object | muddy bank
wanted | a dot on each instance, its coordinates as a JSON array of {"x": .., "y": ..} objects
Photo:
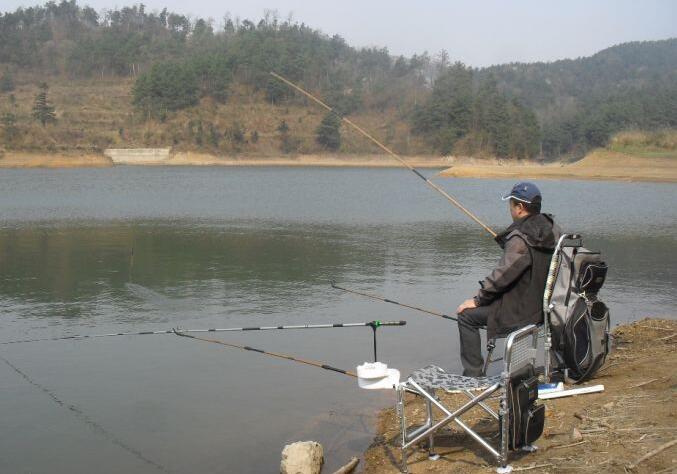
[
  {"x": 635, "y": 415},
  {"x": 600, "y": 164}
]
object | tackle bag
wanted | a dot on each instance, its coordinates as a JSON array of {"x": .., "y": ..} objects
[
  {"x": 527, "y": 418},
  {"x": 579, "y": 321}
]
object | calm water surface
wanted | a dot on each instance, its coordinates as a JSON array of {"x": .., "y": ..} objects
[{"x": 126, "y": 249}]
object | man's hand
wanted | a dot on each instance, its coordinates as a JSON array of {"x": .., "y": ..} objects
[{"x": 467, "y": 304}]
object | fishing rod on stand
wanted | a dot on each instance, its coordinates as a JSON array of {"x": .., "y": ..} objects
[{"x": 374, "y": 325}]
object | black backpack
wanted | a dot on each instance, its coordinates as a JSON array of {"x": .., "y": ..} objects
[{"x": 579, "y": 321}]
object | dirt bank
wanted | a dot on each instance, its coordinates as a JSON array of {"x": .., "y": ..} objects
[
  {"x": 600, "y": 164},
  {"x": 635, "y": 415},
  {"x": 35, "y": 160},
  {"x": 332, "y": 161},
  {"x": 41, "y": 160}
]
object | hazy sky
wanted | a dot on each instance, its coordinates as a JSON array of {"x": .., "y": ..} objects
[{"x": 478, "y": 33}]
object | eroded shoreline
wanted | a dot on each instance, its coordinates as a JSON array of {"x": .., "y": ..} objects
[{"x": 599, "y": 165}]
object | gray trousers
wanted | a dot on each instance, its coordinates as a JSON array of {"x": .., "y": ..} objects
[{"x": 470, "y": 322}]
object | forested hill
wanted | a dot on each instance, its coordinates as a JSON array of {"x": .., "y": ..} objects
[{"x": 179, "y": 77}]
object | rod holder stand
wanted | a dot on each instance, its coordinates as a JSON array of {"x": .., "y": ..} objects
[{"x": 374, "y": 325}]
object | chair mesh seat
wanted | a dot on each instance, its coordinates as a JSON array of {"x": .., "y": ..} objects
[{"x": 435, "y": 377}]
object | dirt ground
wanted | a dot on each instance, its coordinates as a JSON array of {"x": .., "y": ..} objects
[
  {"x": 325, "y": 160},
  {"x": 42, "y": 160},
  {"x": 604, "y": 432},
  {"x": 600, "y": 164}
]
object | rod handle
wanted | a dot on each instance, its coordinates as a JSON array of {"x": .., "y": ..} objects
[{"x": 387, "y": 323}]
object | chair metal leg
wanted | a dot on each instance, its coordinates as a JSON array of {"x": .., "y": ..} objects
[
  {"x": 403, "y": 428},
  {"x": 484, "y": 406},
  {"x": 504, "y": 413},
  {"x": 547, "y": 345},
  {"x": 431, "y": 437},
  {"x": 449, "y": 415}
]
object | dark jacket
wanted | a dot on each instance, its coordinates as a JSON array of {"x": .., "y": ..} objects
[{"x": 514, "y": 290}]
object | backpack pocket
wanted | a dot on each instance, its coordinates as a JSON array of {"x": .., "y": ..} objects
[
  {"x": 533, "y": 423},
  {"x": 592, "y": 277},
  {"x": 586, "y": 335},
  {"x": 523, "y": 395}
]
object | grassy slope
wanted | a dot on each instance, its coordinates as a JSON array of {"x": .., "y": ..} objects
[{"x": 97, "y": 114}]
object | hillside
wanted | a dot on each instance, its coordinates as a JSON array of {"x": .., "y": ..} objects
[
  {"x": 94, "y": 114},
  {"x": 128, "y": 77}
]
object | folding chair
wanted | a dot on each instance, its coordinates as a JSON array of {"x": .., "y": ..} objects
[
  {"x": 520, "y": 352},
  {"x": 543, "y": 334}
]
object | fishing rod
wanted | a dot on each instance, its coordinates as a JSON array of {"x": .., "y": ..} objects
[
  {"x": 314, "y": 363},
  {"x": 371, "y": 324},
  {"x": 387, "y": 300},
  {"x": 450, "y": 198}
]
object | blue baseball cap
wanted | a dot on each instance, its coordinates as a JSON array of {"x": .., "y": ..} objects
[{"x": 524, "y": 192}]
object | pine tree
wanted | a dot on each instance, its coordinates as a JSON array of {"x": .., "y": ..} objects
[
  {"x": 43, "y": 111},
  {"x": 328, "y": 134}
]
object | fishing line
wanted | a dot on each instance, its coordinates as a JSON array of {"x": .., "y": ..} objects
[
  {"x": 450, "y": 198},
  {"x": 84, "y": 418}
]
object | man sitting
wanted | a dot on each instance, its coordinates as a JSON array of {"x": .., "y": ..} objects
[{"x": 511, "y": 296}]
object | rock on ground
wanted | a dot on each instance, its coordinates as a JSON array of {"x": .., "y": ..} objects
[{"x": 303, "y": 457}]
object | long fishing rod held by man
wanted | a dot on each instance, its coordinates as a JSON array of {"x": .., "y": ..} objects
[{"x": 366, "y": 134}]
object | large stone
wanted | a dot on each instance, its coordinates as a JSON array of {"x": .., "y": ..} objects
[{"x": 303, "y": 457}]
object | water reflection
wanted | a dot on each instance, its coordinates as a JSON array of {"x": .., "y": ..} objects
[{"x": 141, "y": 269}]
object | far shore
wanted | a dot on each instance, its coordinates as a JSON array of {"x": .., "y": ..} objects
[{"x": 600, "y": 164}]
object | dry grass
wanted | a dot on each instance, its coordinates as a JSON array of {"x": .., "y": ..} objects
[
  {"x": 599, "y": 164},
  {"x": 96, "y": 114},
  {"x": 656, "y": 141}
]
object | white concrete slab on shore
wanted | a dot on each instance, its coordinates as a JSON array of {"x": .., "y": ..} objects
[{"x": 137, "y": 156}]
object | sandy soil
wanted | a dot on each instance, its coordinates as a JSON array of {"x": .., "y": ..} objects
[
  {"x": 336, "y": 161},
  {"x": 40, "y": 160},
  {"x": 604, "y": 432},
  {"x": 600, "y": 164}
]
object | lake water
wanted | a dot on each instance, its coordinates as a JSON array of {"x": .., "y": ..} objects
[{"x": 230, "y": 247}]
